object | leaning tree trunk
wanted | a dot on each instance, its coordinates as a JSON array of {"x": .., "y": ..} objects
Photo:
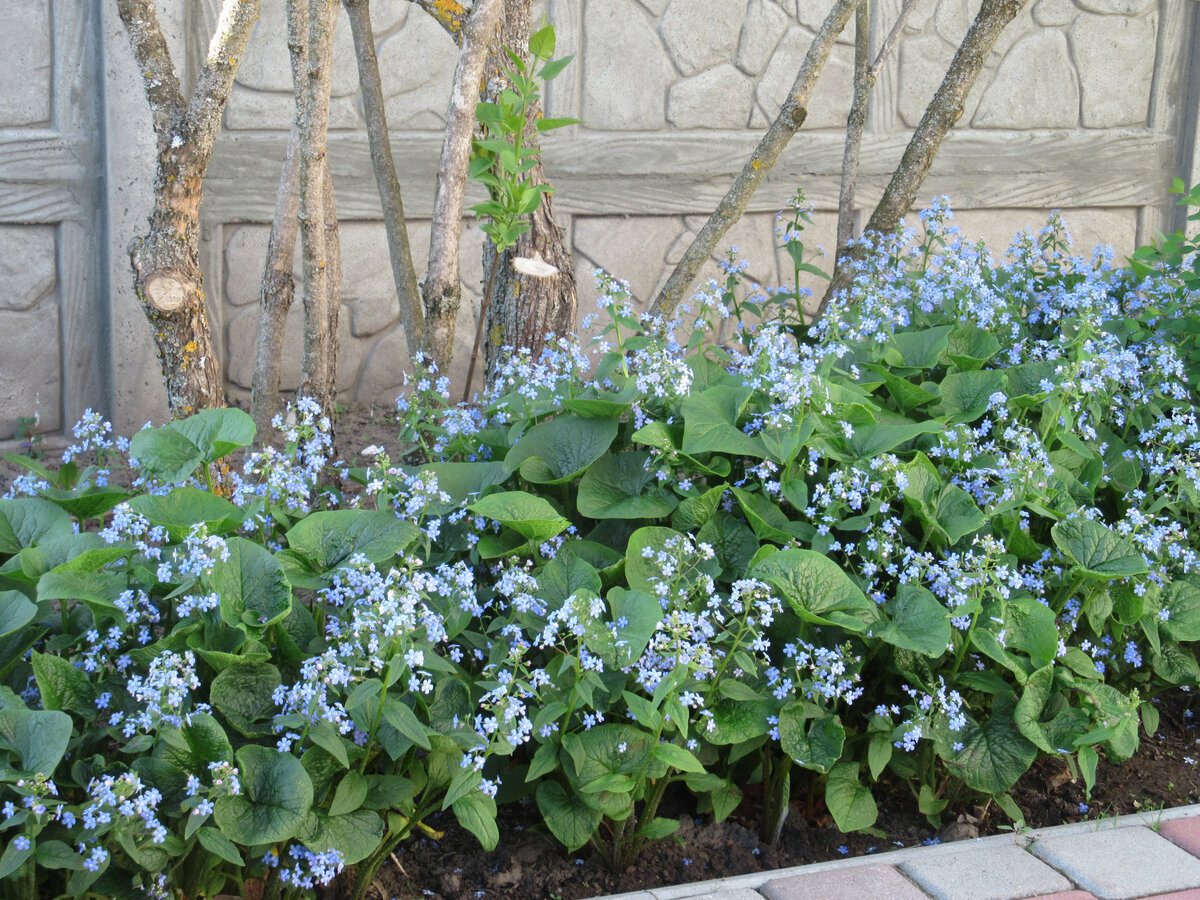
[
  {"x": 166, "y": 261},
  {"x": 522, "y": 309},
  {"x": 943, "y": 111}
]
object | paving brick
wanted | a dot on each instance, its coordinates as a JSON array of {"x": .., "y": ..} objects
[
  {"x": 984, "y": 873},
  {"x": 844, "y": 884},
  {"x": 1184, "y": 833},
  {"x": 1065, "y": 895},
  {"x": 1120, "y": 863},
  {"x": 1193, "y": 894},
  {"x": 704, "y": 890}
]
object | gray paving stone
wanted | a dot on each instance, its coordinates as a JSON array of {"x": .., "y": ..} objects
[
  {"x": 1120, "y": 863},
  {"x": 844, "y": 884},
  {"x": 984, "y": 873}
]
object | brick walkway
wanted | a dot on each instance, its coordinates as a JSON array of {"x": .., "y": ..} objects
[{"x": 1147, "y": 855}]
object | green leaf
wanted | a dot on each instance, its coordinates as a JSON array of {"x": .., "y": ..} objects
[
  {"x": 355, "y": 835},
  {"x": 328, "y": 539},
  {"x": 186, "y": 507},
  {"x": 1096, "y": 550},
  {"x": 530, "y": 516},
  {"x": 995, "y": 754},
  {"x": 216, "y": 843},
  {"x": 768, "y": 520},
  {"x": 16, "y": 611},
  {"x": 641, "y": 613},
  {"x": 640, "y": 569},
  {"x": 244, "y": 693},
  {"x": 58, "y": 855},
  {"x": 476, "y": 812},
  {"x": 817, "y": 589},
  {"x": 915, "y": 621},
  {"x": 63, "y": 686},
  {"x": 569, "y": 819},
  {"x": 614, "y": 487},
  {"x": 26, "y": 521},
  {"x": 678, "y": 758},
  {"x": 967, "y": 395},
  {"x": 693, "y": 512},
  {"x": 918, "y": 349},
  {"x": 946, "y": 510},
  {"x": 552, "y": 69},
  {"x": 904, "y": 392},
  {"x": 405, "y": 721},
  {"x": 849, "y": 800},
  {"x": 710, "y": 423},
  {"x": 1182, "y": 604},
  {"x": 970, "y": 346},
  {"x": 869, "y": 441},
  {"x": 549, "y": 123},
  {"x": 734, "y": 543},
  {"x": 812, "y": 743},
  {"x": 276, "y": 796},
  {"x": 461, "y": 480},
  {"x": 174, "y": 451},
  {"x": 191, "y": 748},
  {"x": 38, "y": 737},
  {"x": 559, "y": 450},
  {"x": 254, "y": 591},
  {"x": 97, "y": 589},
  {"x": 13, "y": 858},
  {"x": 325, "y": 736},
  {"x": 541, "y": 43}
]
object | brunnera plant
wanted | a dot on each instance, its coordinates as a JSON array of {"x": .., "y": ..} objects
[{"x": 939, "y": 534}]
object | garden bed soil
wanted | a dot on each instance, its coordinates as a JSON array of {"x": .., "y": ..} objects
[{"x": 530, "y": 865}]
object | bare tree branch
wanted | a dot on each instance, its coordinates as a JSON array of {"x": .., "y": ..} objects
[
  {"x": 787, "y": 123},
  {"x": 154, "y": 59},
  {"x": 856, "y": 121},
  {"x": 277, "y": 292},
  {"x": 943, "y": 111},
  {"x": 225, "y": 52},
  {"x": 313, "y": 93},
  {"x": 412, "y": 314},
  {"x": 450, "y": 14},
  {"x": 443, "y": 286},
  {"x": 864, "y": 81}
]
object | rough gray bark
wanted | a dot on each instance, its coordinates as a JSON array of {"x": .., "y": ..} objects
[
  {"x": 412, "y": 313},
  {"x": 791, "y": 116},
  {"x": 321, "y": 302},
  {"x": 865, "y": 75},
  {"x": 943, "y": 111},
  {"x": 522, "y": 309},
  {"x": 450, "y": 14},
  {"x": 442, "y": 291},
  {"x": 277, "y": 292},
  {"x": 166, "y": 262}
]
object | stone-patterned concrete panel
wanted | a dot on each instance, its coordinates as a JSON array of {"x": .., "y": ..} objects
[
  {"x": 26, "y": 68},
  {"x": 626, "y": 72},
  {"x": 831, "y": 98},
  {"x": 923, "y": 63},
  {"x": 1035, "y": 86},
  {"x": 1089, "y": 228},
  {"x": 31, "y": 383},
  {"x": 1115, "y": 60},
  {"x": 416, "y": 65},
  {"x": 266, "y": 66},
  {"x": 719, "y": 97},
  {"x": 765, "y": 23},
  {"x": 699, "y": 34},
  {"x": 27, "y": 265}
]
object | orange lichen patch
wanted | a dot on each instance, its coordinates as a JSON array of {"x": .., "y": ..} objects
[
  {"x": 449, "y": 12},
  {"x": 756, "y": 164},
  {"x": 190, "y": 347}
]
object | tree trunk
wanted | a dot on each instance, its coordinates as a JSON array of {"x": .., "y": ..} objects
[
  {"x": 412, "y": 314},
  {"x": 791, "y": 116},
  {"x": 166, "y": 261},
  {"x": 277, "y": 292},
  {"x": 442, "y": 291},
  {"x": 522, "y": 309},
  {"x": 943, "y": 111},
  {"x": 317, "y": 218}
]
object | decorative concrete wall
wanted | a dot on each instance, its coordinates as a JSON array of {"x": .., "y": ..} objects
[{"x": 1088, "y": 106}]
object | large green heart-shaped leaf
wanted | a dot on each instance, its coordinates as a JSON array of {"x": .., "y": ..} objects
[
  {"x": 530, "y": 516},
  {"x": 569, "y": 819},
  {"x": 614, "y": 487},
  {"x": 915, "y": 621},
  {"x": 328, "y": 539},
  {"x": 970, "y": 346},
  {"x": 62, "y": 686},
  {"x": 918, "y": 349},
  {"x": 967, "y": 395},
  {"x": 16, "y": 611},
  {"x": 186, "y": 507},
  {"x": 25, "y": 521},
  {"x": 244, "y": 695},
  {"x": 254, "y": 591},
  {"x": 39, "y": 737},
  {"x": 174, "y": 451},
  {"x": 192, "y": 747},
  {"x": 710, "y": 423},
  {"x": 849, "y": 800},
  {"x": 356, "y": 835},
  {"x": 277, "y": 796},
  {"x": 476, "y": 812},
  {"x": 814, "y": 743},
  {"x": 461, "y": 480},
  {"x": 817, "y": 589},
  {"x": 1096, "y": 550},
  {"x": 734, "y": 543},
  {"x": 559, "y": 450},
  {"x": 993, "y": 755}
]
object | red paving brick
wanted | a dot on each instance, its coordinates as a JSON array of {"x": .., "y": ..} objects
[{"x": 1184, "y": 833}]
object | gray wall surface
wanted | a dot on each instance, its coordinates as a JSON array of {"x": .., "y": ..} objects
[{"x": 1087, "y": 106}]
